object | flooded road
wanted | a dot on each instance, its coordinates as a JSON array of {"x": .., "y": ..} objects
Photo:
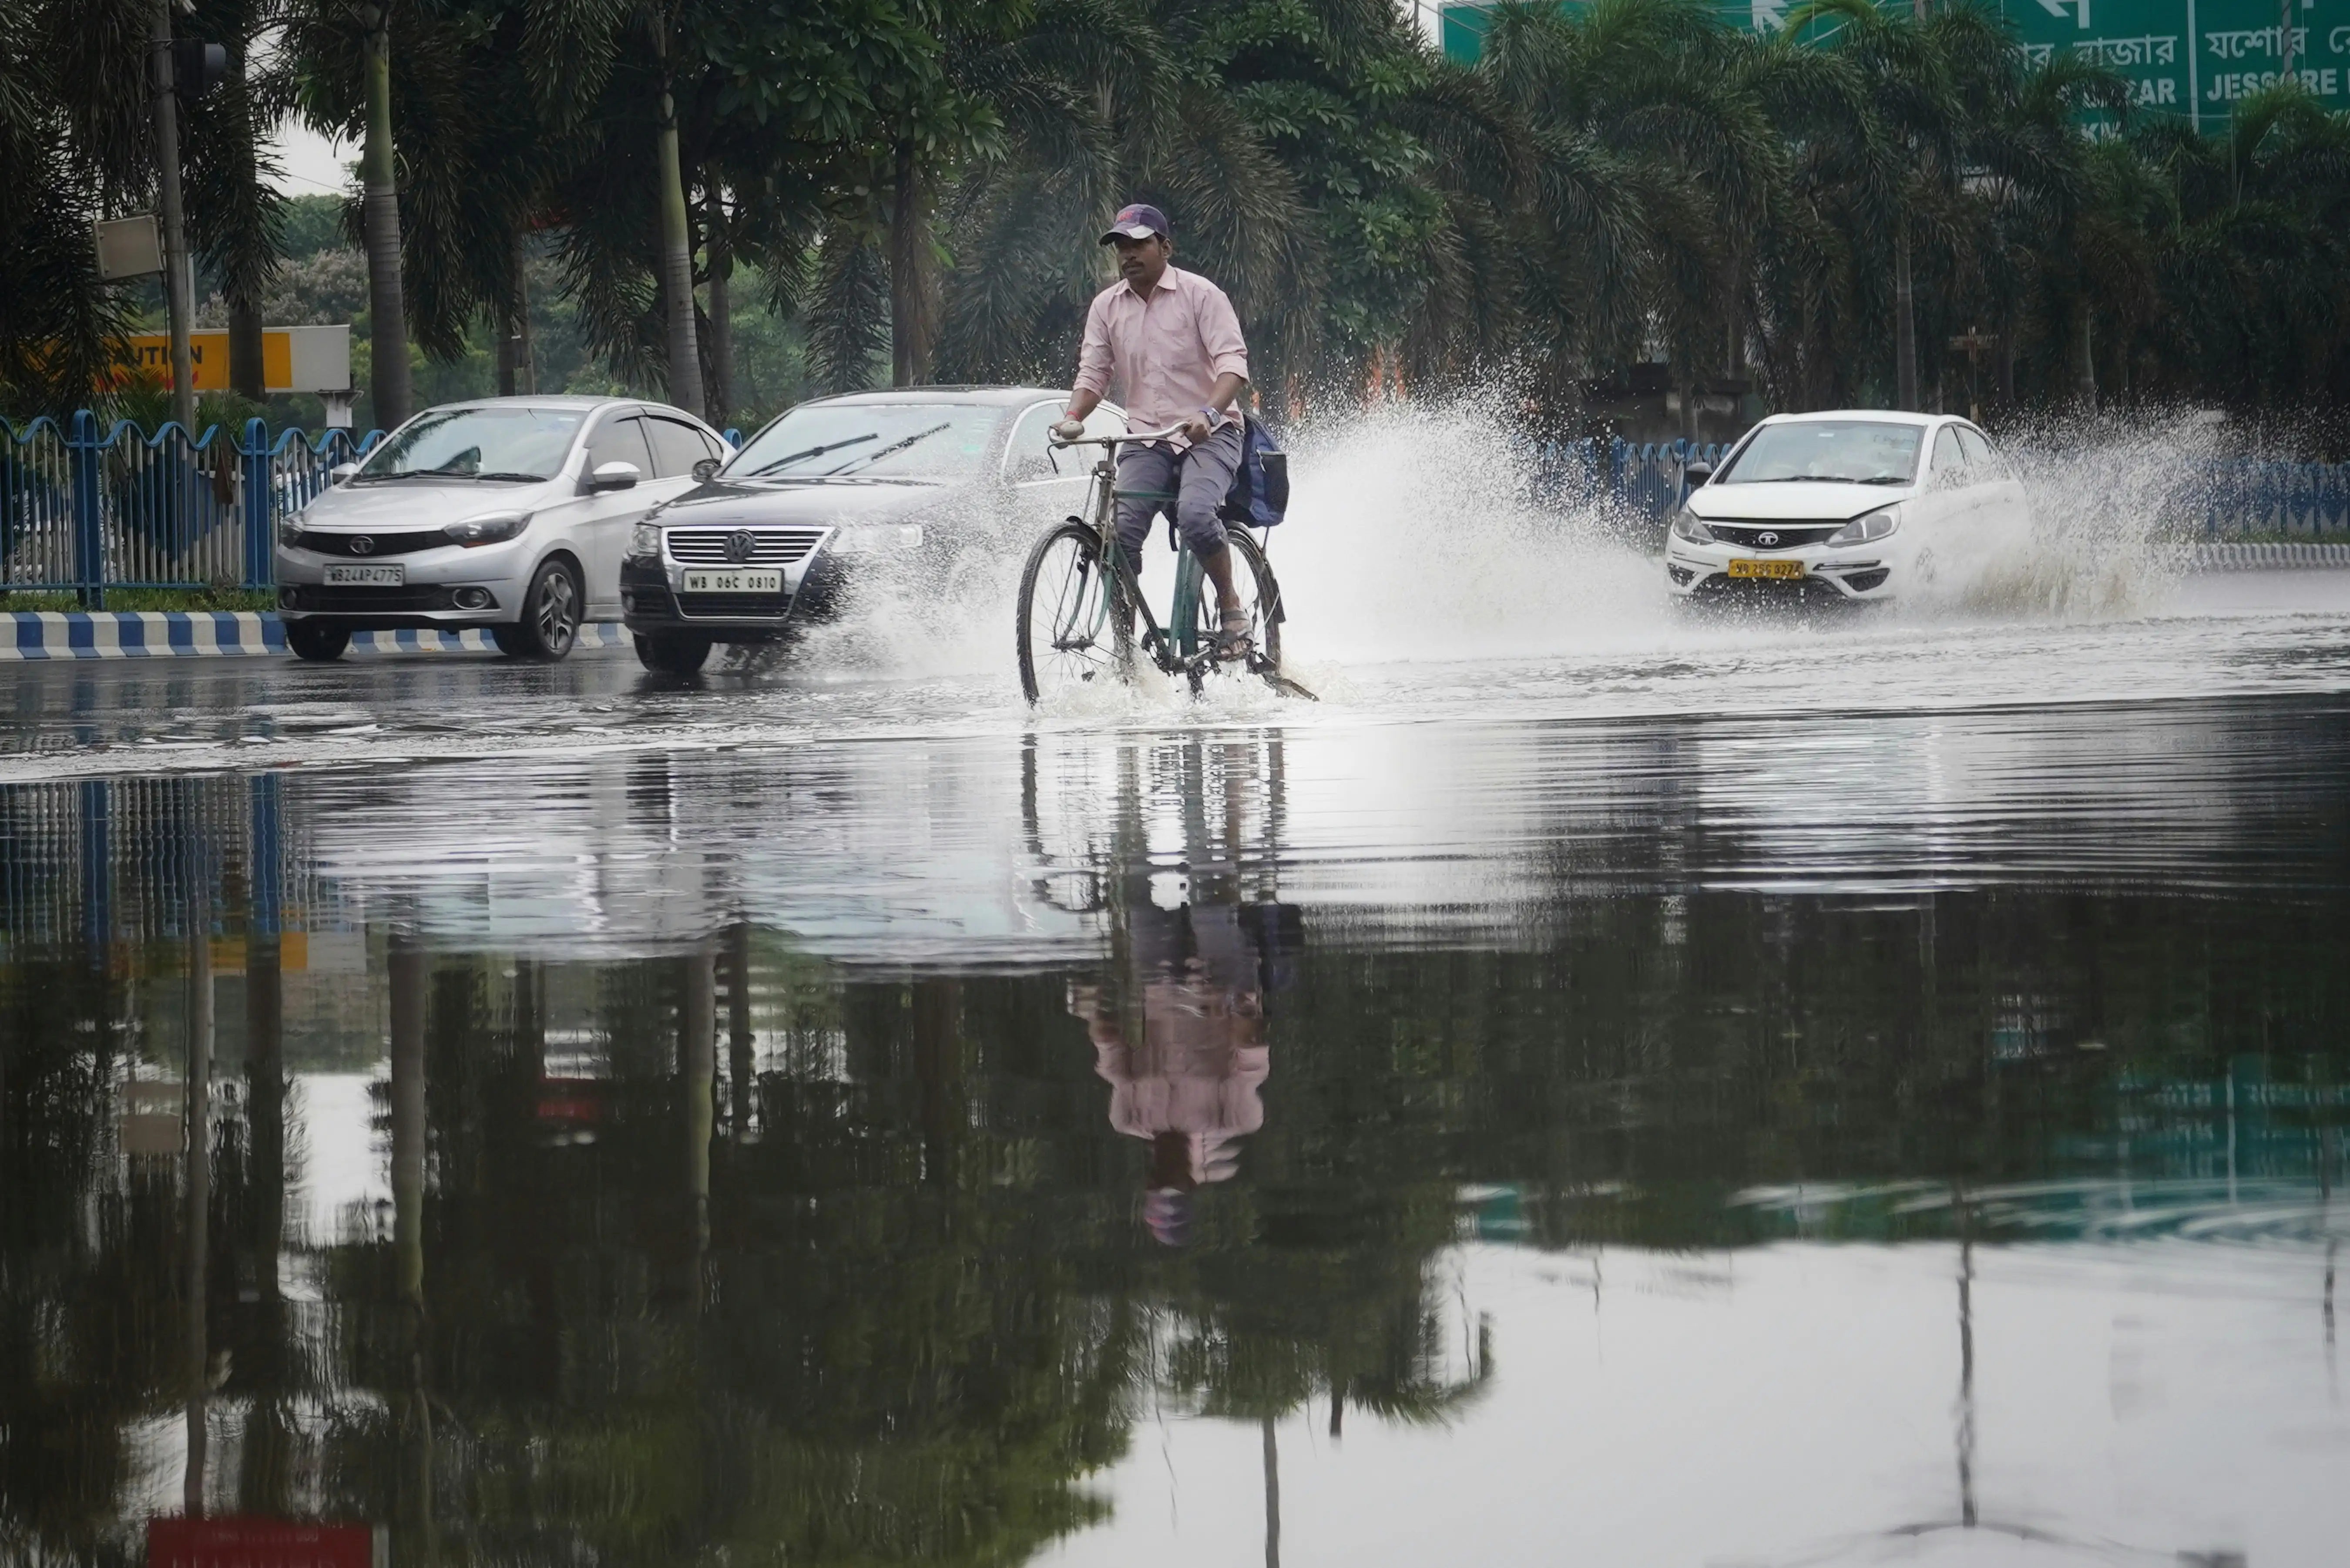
[{"x": 1691, "y": 1093}]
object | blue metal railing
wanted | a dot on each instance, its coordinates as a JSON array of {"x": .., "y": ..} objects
[
  {"x": 2223, "y": 498},
  {"x": 1642, "y": 480},
  {"x": 83, "y": 510}
]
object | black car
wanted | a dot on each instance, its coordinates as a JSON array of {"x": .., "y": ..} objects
[{"x": 831, "y": 489}]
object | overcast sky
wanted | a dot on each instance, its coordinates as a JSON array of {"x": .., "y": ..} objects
[{"x": 312, "y": 165}]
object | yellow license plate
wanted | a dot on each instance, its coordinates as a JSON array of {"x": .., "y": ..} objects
[{"x": 1766, "y": 568}]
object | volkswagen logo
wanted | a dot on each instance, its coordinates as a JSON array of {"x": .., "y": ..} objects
[
  {"x": 363, "y": 545},
  {"x": 740, "y": 544},
  {"x": 1766, "y": 539}
]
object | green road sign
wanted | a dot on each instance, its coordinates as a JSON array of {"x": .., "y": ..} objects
[{"x": 2194, "y": 58}]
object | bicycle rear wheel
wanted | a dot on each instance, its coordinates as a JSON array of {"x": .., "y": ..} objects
[
  {"x": 1259, "y": 594},
  {"x": 1075, "y": 629}
]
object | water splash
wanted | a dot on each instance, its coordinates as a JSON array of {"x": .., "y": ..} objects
[
  {"x": 1418, "y": 533},
  {"x": 2107, "y": 493}
]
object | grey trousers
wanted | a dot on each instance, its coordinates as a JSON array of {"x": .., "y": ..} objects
[{"x": 1199, "y": 477}]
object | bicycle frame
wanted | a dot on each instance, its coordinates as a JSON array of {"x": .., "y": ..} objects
[
  {"x": 1177, "y": 649},
  {"x": 1172, "y": 648}
]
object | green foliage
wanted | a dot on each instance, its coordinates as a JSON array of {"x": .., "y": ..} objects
[{"x": 911, "y": 187}]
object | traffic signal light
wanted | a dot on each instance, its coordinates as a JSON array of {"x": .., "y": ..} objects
[{"x": 196, "y": 66}]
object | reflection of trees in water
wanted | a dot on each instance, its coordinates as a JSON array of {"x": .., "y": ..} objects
[{"x": 742, "y": 1251}]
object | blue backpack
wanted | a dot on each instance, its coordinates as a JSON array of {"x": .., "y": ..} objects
[{"x": 1259, "y": 491}]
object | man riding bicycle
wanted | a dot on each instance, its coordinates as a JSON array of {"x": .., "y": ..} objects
[{"x": 1171, "y": 339}]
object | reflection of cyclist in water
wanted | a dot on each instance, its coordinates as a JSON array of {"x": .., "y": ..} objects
[
  {"x": 1189, "y": 1085},
  {"x": 1179, "y": 1019}
]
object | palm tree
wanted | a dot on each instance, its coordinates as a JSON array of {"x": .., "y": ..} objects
[
  {"x": 344, "y": 86},
  {"x": 74, "y": 145},
  {"x": 233, "y": 210}
]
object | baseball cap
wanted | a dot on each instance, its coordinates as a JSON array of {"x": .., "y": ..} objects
[{"x": 1136, "y": 222}]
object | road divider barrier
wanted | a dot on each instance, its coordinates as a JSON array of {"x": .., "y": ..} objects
[
  {"x": 2250, "y": 557},
  {"x": 36, "y": 635}
]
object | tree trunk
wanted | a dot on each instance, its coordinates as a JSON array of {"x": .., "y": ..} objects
[
  {"x": 677, "y": 263},
  {"x": 515, "y": 378},
  {"x": 697, "y": 1064},
  {"x": 2084, "y": 368},
  {"x": 938, "y": 1074},
  {"x": 1271, "y": 1496},
  {"x": 379, "y": 173},
  {"x": 722, "y": 315},
  {"x": 177, "y": 284},
  {"x": 1905, "y": 326},
  {"x": 742, "y": 1061},
  {"x": 199, "y": 1194},
  {"x": 913, "y": 303},
  {"x": 245, "y": 376},
  {"x": 409, "y": 977}
]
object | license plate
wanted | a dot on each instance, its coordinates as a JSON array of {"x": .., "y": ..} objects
[
  {"x": 1766, "y": 568},
  {"x": 734, "y": 582},
  {"x": 367, "y": 576}
]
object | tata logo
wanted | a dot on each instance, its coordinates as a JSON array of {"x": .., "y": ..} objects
[
  {"x": 1767, "y": 538},
  {"x": 740, "y": 544},
  {"x": 363, "y": 545}
]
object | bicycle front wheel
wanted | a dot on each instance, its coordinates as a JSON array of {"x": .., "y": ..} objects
[{"x": 1075, "y": 629}]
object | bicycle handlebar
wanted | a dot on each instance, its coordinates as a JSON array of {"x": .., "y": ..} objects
[{"x": 1115, "y": 440}]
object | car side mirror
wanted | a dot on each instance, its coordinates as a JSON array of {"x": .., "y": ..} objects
[
  {"x": 704, "y": 470},
  {"x": 343, "y": 473},
  {"x": 1696, "y": 472},
  {"x": 615, "y": 476}
]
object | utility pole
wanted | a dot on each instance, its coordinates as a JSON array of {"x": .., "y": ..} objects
[{"x": 178, "y": 287}]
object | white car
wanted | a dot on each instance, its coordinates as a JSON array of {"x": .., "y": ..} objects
[
  {"x": 509, "y": 513},
  {"x": 1854, "y": 504}
]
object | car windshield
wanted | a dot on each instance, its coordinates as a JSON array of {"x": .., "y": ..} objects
[
  {"x": 932, "y": 441},
  {"x": 1862, "y": 451},
  {"x": 500, "y": 443}
]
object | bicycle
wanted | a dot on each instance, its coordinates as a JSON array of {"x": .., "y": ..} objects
[{"x": 1080, "y": 599}]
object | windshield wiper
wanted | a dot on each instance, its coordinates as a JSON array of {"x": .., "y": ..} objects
[
  {"x": 409, "y": 473},
  {"x": 895, "y": 446},
  {"x": 1820, "y": 479},
  {"x": 812, "y": 451},
  {"x": 495, "y": 473}
]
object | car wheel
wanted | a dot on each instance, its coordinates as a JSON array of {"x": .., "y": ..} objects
[
  {"x": 319, "y": 644},
  {"x": 550, "y": 615},
  {"x": 672, "y": 652}
]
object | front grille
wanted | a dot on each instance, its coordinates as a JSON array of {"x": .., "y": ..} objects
[
  {"x": 311, "y": 597},
  {"x": 380, "y": 544},
  {"x": 1722, "y": 586},
  {"x": 1788, "y": 535},
  {"x": 724, "y": 607},
  {"x": 769, "y": 547}
]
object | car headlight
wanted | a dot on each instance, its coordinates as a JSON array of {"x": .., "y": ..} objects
[
  {"x": 869, "y": 540},
  {"x": 289, "y": 532},
  {"x": 645, "y": 540},
  {"x": 1688, "y": 525},
  {"x": 1865, "y": 529},
  {"x": 490, "y": 528}
]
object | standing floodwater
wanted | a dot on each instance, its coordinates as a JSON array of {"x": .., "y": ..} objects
[{"x": 1742, "y": 1137}]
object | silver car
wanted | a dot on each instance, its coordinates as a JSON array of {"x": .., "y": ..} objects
[{"x": 508, "y": 513}]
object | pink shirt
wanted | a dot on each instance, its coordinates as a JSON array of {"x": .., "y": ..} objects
[{"x": 1166, "y": 351}]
